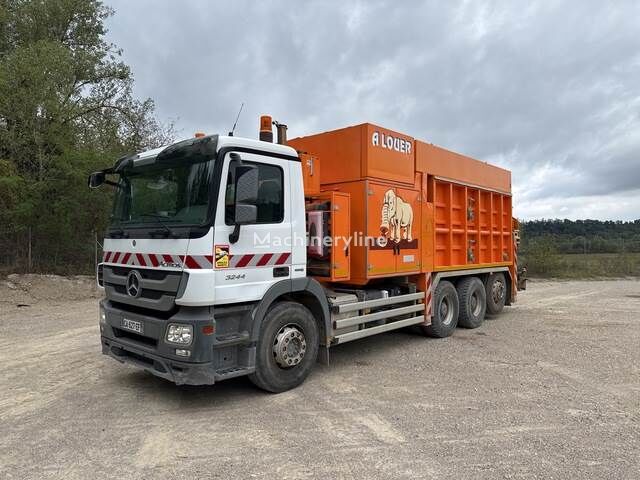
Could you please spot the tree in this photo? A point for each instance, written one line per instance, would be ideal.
(66, 108)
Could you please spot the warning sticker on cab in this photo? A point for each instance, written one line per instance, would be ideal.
(222, 256)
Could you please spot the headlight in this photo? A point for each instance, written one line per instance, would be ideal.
(180, 334)
(102, 315)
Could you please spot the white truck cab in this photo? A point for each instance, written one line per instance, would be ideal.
(202, 234)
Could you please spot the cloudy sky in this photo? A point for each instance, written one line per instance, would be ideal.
(550, 90)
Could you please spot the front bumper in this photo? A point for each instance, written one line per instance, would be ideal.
(228, 352)
(152, 353)
(180, 373)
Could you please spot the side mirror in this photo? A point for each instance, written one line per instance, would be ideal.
(96, 179)
(246, 198)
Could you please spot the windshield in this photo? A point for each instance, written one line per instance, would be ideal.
(167, 193)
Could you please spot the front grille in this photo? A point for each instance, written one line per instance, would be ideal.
(144, 273)
(146, 292)
(158, 287)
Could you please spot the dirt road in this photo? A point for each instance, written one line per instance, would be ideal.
(550, 389)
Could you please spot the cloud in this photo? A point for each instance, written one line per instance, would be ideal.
(550, 90)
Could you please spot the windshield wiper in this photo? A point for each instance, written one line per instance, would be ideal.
(158, 218)
(118, 233)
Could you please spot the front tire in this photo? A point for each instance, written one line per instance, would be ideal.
(287, 347)
(473, 302)
(445, 311)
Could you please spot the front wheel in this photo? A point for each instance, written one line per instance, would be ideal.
(287, 347)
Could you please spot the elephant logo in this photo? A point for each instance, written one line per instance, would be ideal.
(397, 218)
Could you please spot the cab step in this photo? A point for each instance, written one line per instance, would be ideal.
(230, 339)
(232, 372)
(366, 332)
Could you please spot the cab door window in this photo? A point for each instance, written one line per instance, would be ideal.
(270, 193)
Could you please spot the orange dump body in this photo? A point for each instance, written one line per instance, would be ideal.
(429, 209)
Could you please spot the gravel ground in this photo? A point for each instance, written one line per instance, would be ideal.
(549, 389)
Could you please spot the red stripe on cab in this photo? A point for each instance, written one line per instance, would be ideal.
(190, 262)
(244, 261)
(283, 258)
(264, 259)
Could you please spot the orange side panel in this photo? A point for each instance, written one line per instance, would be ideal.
(310, 174)
(443, 163)
(400, 253)
(357, 255)
(381, 260)
(340, 231)
(472, 226)
(408, 256)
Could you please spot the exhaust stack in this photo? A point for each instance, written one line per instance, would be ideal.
(281, 128)
(266, 131)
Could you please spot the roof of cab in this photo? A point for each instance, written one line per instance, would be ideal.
(223, 141)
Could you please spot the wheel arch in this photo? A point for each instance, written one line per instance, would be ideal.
(306, 291)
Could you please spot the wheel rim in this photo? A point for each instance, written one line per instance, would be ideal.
(497, 291)
(446, 312)
(476, 304)
(289, 346)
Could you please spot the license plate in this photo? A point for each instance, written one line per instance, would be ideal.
(132, 325)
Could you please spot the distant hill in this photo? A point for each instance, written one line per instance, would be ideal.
(582, 236)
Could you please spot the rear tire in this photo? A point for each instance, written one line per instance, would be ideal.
(445, 311)
(473, 302)
(287, 347)
(496, 291)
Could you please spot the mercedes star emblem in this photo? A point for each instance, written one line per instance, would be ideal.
(133, 284)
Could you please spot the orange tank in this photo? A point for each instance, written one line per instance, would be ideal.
(415, 207)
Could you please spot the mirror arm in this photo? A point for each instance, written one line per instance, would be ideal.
(235, 235)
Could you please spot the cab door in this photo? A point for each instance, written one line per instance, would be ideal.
(245, 270)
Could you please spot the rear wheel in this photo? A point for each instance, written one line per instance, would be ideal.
(287, 347)
(445, 311)
(473, 302)
(496, 290)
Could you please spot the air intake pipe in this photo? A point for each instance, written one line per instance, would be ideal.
(281, 128)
